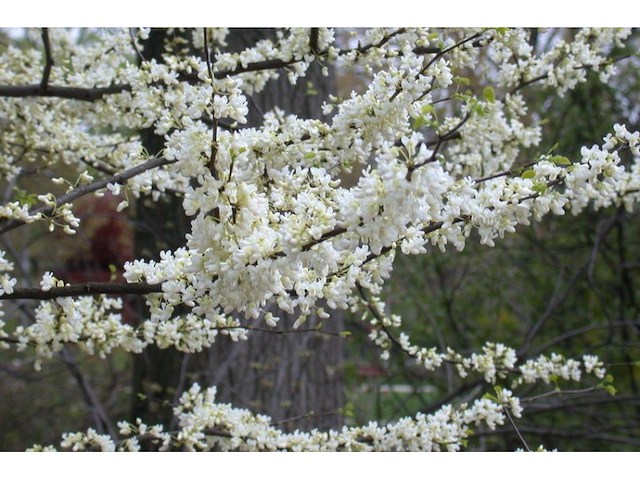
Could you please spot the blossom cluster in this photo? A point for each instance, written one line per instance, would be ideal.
(205, 425)
(496, 363)
(95, 325)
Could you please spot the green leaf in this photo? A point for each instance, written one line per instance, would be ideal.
(348, 410)
(611, 390)
(311, 89)
(489, 94)
(345, 333)
(427, 109)
(25, 198)
(235, 153)
(418, 122)
(540, 187)
(528, 174)
(309, 155)
(479, 110)
(560, 160)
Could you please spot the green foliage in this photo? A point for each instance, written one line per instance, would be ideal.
(567, 284)
(25, 198)
(489, 94)
(560, 160)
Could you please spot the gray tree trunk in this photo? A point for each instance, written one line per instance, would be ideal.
(295, 378)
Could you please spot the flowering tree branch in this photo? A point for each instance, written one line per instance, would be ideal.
(272, 221)
(72, 93)
(119, 178)
(77, 290)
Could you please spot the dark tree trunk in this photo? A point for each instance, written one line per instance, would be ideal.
(159, 226)
(295, 377)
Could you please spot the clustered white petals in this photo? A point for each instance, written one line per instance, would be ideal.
(274, 221)
(206, 425)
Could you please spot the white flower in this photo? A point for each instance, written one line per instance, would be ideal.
(48, 281)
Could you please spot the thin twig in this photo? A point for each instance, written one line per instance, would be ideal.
(214, 128)
(135, 45)
(283, 332)
(44, 84)
(558, 392)
(83, 190)
(182, 381)
(304, 416)
(515, 427)
(100, 418)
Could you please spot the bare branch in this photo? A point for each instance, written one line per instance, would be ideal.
(101, 420)
(48, 60)
(313, 40)
(214, 128)
(83, 289)
(285, 332)
(135, 45)
(271, 64)
(505, 409)
(73, 93)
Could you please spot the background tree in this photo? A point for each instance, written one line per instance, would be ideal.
(552, 286)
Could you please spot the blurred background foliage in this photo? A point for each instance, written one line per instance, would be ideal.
(567, 284)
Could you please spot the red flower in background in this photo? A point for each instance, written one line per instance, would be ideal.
(100, 249)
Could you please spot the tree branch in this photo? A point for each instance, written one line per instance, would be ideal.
(135, 46)
(83, 289)
(48, 60)
(505, 409)
(524, 83)
(92, 94)
(101, 420)
(73, 93)
(119, 178)
(214, 128)
(313, 40)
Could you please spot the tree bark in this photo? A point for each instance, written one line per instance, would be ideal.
(296, 378)
(293, 377)
(158, 226)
